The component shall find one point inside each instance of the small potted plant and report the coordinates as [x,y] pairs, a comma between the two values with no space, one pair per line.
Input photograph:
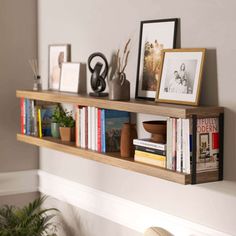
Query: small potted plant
[56,120]
[67,126]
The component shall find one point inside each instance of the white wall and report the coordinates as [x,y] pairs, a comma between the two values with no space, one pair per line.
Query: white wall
[103,25]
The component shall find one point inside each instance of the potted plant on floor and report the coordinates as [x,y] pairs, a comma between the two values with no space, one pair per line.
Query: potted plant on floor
[56,120]
[67,126]
[29,220]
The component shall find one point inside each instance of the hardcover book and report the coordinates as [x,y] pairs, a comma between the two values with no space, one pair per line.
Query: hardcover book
[207,144]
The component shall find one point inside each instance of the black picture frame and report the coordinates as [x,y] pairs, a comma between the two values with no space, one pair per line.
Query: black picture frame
[145,93]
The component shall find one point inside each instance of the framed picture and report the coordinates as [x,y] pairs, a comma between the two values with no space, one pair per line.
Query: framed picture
[57,55]
[181,76]
[155,35]
[69,81]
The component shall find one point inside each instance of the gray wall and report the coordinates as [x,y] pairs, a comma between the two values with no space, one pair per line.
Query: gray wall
[18,44]
[105,25]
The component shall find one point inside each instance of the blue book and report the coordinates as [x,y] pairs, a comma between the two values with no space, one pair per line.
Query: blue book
[112,122]
[27,115]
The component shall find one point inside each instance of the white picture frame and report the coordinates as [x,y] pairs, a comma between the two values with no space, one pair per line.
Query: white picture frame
[69,81]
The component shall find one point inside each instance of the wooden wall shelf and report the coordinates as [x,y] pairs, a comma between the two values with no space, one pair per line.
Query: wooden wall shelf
[106,158]
[137,106]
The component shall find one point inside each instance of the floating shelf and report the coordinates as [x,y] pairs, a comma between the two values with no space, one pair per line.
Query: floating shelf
[107,158]
[137,106]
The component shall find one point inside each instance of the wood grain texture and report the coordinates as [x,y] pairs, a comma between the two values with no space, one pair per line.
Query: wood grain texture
[134,105]
[107,158]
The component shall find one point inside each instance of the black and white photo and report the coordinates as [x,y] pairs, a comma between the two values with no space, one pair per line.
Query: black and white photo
[181,76]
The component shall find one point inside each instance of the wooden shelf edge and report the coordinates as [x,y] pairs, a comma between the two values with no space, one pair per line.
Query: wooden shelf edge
[137,106]
[108,159]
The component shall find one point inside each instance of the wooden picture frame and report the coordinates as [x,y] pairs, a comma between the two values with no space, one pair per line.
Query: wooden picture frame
[69,81]
[154,36]
[181,76]
[57,54]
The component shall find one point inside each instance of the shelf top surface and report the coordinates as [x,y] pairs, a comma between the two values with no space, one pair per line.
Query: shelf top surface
[134,105]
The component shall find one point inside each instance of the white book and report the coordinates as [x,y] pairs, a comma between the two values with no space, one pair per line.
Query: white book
[186,146]
[149,143]
[81,127]
[77,126]
[169,146]
[89,128]
[179,146]
[174,142]
[93,128]
[96,129]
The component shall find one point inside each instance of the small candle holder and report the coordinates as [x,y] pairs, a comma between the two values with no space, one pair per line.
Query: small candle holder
[37,83]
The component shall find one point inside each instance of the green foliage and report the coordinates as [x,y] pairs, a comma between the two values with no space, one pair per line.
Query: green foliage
[30,220]
[67,120]
[58,114]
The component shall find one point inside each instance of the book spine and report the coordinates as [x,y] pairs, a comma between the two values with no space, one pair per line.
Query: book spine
[32,118]
[174,133]
[22,117]
[159,163]
[89,127]
[82,127]
[149,155]
[179,146]
[99,131]
[169,144]
[86,127]
[103,136]
[36,133]
[143,143]
[40,123]
[77,127]
[187,146]
[27,116]
[150,150]
[96,129]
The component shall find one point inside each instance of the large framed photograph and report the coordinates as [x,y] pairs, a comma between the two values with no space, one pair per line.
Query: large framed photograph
[155,35]
[69,81]
[181,76]
[57,54]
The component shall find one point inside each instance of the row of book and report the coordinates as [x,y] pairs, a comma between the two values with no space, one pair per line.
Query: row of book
[99,129]
[36,118]
[176,154]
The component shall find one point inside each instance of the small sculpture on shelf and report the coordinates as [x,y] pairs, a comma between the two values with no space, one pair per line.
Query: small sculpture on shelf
[119,86]
[98,82]
[37,79]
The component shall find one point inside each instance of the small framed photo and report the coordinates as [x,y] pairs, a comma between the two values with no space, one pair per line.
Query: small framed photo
[69,81]
[155,35]
[181,76]
[57,55]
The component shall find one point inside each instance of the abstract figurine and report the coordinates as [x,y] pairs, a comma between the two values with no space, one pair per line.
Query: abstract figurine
[98,82]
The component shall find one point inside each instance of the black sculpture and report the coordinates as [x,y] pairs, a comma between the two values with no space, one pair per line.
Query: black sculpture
[98,82]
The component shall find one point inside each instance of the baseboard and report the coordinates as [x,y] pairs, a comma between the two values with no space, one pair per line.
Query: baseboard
[18,182]
[119,210]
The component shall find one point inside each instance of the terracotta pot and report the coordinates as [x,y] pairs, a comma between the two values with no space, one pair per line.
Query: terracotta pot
[128,133]
[67,133]
[157,128]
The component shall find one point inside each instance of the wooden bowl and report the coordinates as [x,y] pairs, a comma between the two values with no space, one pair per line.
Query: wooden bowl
[157,128]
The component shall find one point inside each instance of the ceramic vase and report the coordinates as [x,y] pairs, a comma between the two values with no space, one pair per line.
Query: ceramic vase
[55,130]
[128,133]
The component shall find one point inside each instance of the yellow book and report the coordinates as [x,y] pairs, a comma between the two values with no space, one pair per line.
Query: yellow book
[150,161]
[149,155]
[40,123]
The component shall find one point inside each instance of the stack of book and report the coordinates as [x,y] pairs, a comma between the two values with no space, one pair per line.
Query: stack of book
[150,152]
[99,129]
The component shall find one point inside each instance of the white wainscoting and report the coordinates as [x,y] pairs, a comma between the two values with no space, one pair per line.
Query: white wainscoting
[18,182]
[118,210]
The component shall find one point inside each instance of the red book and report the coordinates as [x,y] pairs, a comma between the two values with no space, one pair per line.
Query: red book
[22,115]
[99,131]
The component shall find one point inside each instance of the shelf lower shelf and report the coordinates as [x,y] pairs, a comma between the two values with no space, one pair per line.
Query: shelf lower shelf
[107,158]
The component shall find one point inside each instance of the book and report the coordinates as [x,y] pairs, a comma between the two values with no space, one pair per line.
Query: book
[77,126]
[152,159]
[174,134]
[27,116]
[147,142]
[39,123]
[169,145]
[207,144]
[186,145]
[22,115]
[150,150]
[112,122]
[179,153]
[99,141]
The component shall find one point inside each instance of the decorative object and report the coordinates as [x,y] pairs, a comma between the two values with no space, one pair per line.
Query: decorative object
[28,220]
[97,81]
[119,86]
[128,133]
[69,81]
[157,231]
[37,79]
[155,35]
[181,76]
[158,130]
[56,120]
[57,55]
[67,126]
